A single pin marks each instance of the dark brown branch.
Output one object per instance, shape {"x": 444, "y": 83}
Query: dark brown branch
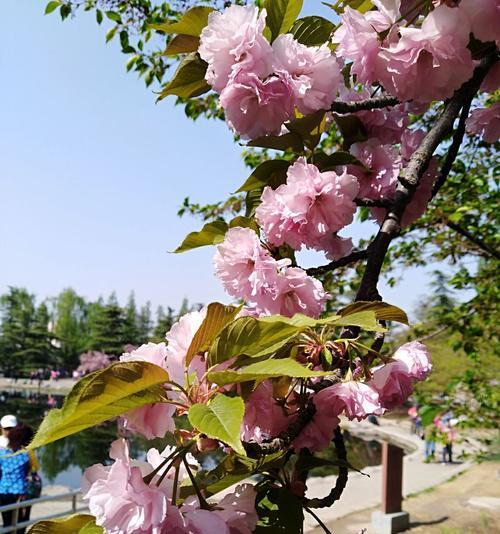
{"x": 353, "y": 257}
{"x": 417, "y": 165}
{"x": 476, "y": 240}
{"x": 362, "y": 105}
{"x": 372, "y": 203}
{"x": 337, "y": 490}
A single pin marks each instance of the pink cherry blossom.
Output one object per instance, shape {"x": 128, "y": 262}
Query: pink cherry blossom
{"x": 359, "y": 41}
{"x": 152, "y": 420}
{"x": 309, "y": 209}
{"x": 120, "y": 500}
{"x": 243, "y": 265}
{"x": 179, "y": 339}
{"x": 492, "y": 80}
{"x": 233, "y": 41}
{"x": 313, "y": 71}
{"x": 318, "y": 434}
{"x": 484, "y": 18}
{"x": 485, "y": 122}
{"x": 254, "y": 107}
{"x": 417, "y": 359}
{"x": 294, "y": 292}
{"x": 392, "y": 383}
{"x": 431, "y": 62}
{"x": 264, "y": 417}
{"x": 356, "y": 399}
{"x": 384, "y": 163}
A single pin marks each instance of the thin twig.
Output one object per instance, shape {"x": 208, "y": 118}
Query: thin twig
{"x": 318, "y": 520}
{"x": 373, "y": 203}
{"x": 474, "y": 239}
{"x": 363, "y": 105}
{"x": 353, "y": 257}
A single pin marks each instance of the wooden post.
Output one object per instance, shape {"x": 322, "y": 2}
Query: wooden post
{"x": 392, "y": 478}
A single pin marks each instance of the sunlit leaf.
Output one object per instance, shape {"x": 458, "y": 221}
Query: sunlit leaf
{"x": 271, "y": 173}
{"x": 101, "y": 396}
{"x": 284, "y": 142}
{"x": 250, "y": 337}
{"x": 76, "y": 524}
{"x": 182, "y": 44}
{"x": 220, "y": 419}
{"x": 312, "y": 31}
{"x": 189, "y": 79}
{"x": 382, "y": 311}
{"x": 281, "y": 14}
{"x": 52, "y": 6}
{"x": 191, "y": 23}
{"x": 217, "y": 317}
{"x": 309, "y": 128}
{"x": 264, "y": 370}
{"x": 211, "y": 234}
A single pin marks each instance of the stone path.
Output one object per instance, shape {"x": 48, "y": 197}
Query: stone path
{"x": 362, "y": 492}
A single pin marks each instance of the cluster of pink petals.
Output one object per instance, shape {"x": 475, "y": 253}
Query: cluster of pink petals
{"x": 248, "y": 271}
{"x": 390, "y": 385}
{"x": 486, "y": 123}
{"x": 423, "y": 63}
{"x": 264, "y": 417}
{"x": 309, "y": 209}
{"x": 92, "y": 361}
{"x": 484, "y": 18}
{"x": 261, "y": 85}
{"x": 152, "y": 420}
{"x": 123, "y": 503}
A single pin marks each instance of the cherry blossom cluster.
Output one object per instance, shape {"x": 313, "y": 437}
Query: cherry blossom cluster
{"x": 260, "y": 84}
{"x": 132, "y": 496}
{"x": 123, "y": 502}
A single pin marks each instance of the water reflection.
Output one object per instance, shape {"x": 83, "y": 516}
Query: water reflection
{"x": 63, "y": 461}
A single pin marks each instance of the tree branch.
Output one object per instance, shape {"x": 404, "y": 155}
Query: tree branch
{"x": 363, "y": 105}
{"x": 353, "y": 257}
{"x": 373, "y": 203}
{"x": 476, "y": 240}
{"x": 337, "y": 490}
{"x": 417, "y": 165}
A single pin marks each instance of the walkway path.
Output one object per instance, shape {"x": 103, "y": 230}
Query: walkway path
{"x": 60, "y": 387}
{"x": 362, "y": 492}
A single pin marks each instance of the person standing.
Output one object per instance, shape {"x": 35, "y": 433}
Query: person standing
{"x": 7, "y": 422}
{"x": 14, "y": 471}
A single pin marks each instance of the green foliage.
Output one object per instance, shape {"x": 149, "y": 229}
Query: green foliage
{"x": 281, "y": 14}
{"x": 269, "y": 173}
{"x": 189, "y": 79}
{"x": 76, "y": 524}
{"x": 191, "y": 23}
{"x": 312, "y": 31}
{"x": 217, "y": 317}
{"x": 211, "y": 234}
{"x": 182, "y": 44}
{"x": 263, "y": 370}
{"x": 101, "y": 396}
{"x": 221, "y": 419}
{"x": 279, "y": 511}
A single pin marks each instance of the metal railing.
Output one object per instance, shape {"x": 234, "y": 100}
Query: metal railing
{"x": 15, "y": 507}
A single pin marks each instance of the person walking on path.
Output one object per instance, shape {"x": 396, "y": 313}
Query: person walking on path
{"x": 430, "y": 442}
{"x": 14, "y": 469}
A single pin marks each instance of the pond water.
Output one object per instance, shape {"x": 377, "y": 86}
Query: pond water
{"x": 63, "y": 461}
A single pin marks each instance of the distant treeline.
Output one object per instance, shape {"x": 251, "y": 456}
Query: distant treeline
{"x": 53, "y": 333}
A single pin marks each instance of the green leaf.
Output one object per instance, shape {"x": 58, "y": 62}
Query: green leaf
{"x": 290, "y": 141}
{"x": 244, "y": 222}
{"x": 220, "y": 419}
{"x": 182, "y": 44}
{"x": 189, "y": 79}
{"x": 52, "y": 6}
{"x": 351, "y": 128}
{"x": 113, "y": 15}
{"x": 81, "y": 524}
{"x": 281, "y": 14}
{"x": 111, "y": 33}
{"x": 271, "y": 173}
{"x": 312, "y": 31}
{"x": 191, "y": 23}
{"x": 264, "y": 370}
{"x": 381, "y": 310}
{"x": 103, "y": 395}
{"x": 309, "y": 128}
{"x": 98, "y": 16}
{"x": 217, "y": 317}
{"x": 211, "y": 234}
{"x": 328, "y": 162}
{"x": 250, "y": 337}
{"x": 252, "y": 201}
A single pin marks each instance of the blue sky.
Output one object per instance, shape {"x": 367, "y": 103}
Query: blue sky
{"x": 93, "y": 171}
